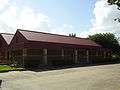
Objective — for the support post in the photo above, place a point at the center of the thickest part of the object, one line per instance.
(104, 54)
(96, 57)
(6, 60)
(76, 57)
(24, 54)
(45, 56)
(87, 56)
(62, 53)
(96, 53)
(9, 57)
(110, 54)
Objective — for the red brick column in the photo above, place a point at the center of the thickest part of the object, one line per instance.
(24, 54)
(76, 56)
(62, 52)
(45, 56)
(87, 56)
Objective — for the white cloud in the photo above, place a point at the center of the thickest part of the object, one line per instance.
(63, 30)
(3, 3)
(104, 19)
(13, 17)
(67, 26)
(57, 31)
(29, 20)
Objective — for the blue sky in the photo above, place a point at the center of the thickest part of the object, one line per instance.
(83, 17)
(77, 13)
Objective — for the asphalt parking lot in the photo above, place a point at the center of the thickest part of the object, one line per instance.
(103, 77)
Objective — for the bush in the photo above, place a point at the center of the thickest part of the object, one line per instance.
(116, 60)
(62, 62)
(104, 60)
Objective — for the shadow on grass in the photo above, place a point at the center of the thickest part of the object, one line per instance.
(52, 67)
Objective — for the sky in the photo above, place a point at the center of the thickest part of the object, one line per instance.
(83, 17)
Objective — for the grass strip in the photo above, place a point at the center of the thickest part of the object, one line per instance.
(6, 67)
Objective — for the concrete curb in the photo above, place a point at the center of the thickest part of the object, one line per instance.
(2, 71)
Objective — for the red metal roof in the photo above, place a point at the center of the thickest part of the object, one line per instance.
(54, 38)
(8, 37)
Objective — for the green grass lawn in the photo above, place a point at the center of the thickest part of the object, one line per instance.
(6, 67)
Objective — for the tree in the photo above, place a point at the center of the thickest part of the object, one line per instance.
(107, 40)
(115, 2)
(72, 35)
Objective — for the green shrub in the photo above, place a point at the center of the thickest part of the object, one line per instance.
(116, 60)
(104, 60)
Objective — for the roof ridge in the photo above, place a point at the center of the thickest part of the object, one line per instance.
(7, 33)
(51, 34)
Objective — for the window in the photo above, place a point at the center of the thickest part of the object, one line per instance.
(17, 39)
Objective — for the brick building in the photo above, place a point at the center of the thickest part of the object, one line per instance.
(45, 47)
(5, 39)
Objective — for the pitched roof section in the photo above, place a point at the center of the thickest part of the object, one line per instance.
(54, 38)
(7, 37)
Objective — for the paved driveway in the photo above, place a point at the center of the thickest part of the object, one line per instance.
(104, 77)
